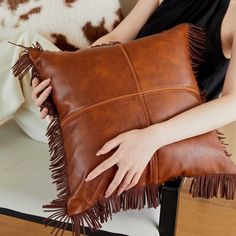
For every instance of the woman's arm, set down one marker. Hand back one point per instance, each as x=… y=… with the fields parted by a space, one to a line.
x=131 y=24
x=134 y=21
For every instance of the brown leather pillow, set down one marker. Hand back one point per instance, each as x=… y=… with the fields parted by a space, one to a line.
x=103 y=91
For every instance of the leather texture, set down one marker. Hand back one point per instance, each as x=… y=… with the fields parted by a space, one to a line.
x=103 y=91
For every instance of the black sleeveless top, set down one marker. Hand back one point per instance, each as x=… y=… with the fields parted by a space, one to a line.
x=207 y=14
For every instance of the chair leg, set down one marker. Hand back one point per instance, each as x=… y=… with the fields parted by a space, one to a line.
x=169 y=206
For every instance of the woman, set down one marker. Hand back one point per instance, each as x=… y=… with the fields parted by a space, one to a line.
x=217 y=74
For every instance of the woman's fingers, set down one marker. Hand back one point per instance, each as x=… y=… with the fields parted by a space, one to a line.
x=43 y=113
x=116 y=181
x=40 y=87
x=134 y=180
x=108 y=163
x=43 y=96
x=126 y=181
x=35 y=82
x=111 y=144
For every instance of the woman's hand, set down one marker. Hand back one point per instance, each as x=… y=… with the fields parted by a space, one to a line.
x=45 y=86
x=38 y=87
x=136 y=147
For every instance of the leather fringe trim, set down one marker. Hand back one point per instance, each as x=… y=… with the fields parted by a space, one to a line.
x=24 y=64
x=21 y=68
x=197 y=40
x=101 y=211
x=213 y=186
x=58 y=167
x=58 y=161
x=208 y=186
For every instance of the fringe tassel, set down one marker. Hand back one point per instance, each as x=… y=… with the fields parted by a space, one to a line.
x=210 y=186
x=58 y=167
x=102 y=210
x=197 y=39
x=21 y=68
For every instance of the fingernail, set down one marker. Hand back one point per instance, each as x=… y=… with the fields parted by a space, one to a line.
x=87 y=179
x=99 y=152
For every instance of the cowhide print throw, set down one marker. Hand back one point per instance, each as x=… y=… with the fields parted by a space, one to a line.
x=69 y=24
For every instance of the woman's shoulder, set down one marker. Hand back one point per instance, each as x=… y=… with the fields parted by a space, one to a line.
x=228 y=30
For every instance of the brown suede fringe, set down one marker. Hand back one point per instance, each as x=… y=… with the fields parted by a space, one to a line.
x=196 y=39
x=215 y=185
x=21 y=68
x=208 y=186
x=134 y=198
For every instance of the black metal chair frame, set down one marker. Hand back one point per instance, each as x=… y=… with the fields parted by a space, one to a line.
x=169 y=196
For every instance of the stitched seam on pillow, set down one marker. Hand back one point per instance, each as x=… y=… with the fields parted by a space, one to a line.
x=148 y=92
x=145 y=110
x=140 y=100
x=137 y=83
x=71 y=94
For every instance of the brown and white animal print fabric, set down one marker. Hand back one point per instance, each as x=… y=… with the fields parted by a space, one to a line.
x=69 y=24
